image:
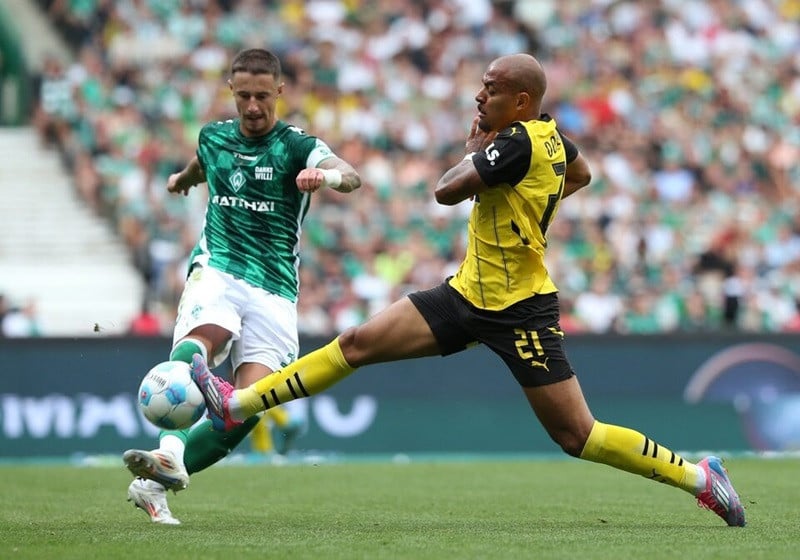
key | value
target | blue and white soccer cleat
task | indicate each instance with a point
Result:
(158, 465)
(216, 392)
(719, 495)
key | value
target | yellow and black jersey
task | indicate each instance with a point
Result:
(524, 167)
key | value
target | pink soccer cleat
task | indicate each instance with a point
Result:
(216, 392)
(719, 495)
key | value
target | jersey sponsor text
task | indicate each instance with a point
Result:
(236, 202)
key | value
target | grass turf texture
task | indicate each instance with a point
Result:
(437, 510)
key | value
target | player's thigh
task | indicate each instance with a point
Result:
(398, 332)
(249, 372)
(209, 298)
(268, 336)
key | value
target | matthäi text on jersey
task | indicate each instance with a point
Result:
(236, 202)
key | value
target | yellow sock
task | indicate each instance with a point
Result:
(278, 416)
(308, 376)
(631, 451)
(261, 438)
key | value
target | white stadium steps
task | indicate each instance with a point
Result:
(36, 33)
(55, 251)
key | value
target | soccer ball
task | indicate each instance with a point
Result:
(169, 398)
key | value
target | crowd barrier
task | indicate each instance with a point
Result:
(66, 397)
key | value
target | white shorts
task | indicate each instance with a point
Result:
(263, 326)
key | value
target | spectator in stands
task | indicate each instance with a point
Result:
(599, 308)
(55, 108)
(793, 324)
(146, 323)
(21, 321)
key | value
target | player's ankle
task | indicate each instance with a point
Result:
(235, 407)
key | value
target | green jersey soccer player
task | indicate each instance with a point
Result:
(241, 292)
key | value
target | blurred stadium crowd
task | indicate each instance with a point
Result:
(688, 111)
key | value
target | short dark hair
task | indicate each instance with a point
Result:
(256, 61)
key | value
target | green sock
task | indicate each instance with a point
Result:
(182, 434)
(205, 446)
(186, 348)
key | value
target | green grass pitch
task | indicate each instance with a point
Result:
(513, 509)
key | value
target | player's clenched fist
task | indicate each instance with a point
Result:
(310, 179)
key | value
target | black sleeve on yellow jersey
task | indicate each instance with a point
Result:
(507, 159)
(570, 148)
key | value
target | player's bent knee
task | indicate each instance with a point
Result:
(570, 442)
(349, 342)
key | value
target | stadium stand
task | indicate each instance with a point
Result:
(36, 33)
(689, 112)
(54, 250)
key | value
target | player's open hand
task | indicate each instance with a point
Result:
(175, 185)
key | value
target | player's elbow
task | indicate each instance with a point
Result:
(446, 196)
(583, 177)
(579, 173)
(351, 181)
(452, 190)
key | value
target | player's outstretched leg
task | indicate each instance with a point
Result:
(217, 392)
(151, 497)
(158, 465)
(719, 495)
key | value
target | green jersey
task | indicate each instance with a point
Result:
(255, 210)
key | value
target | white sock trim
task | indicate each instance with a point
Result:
(173, 444)
(701, 481)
